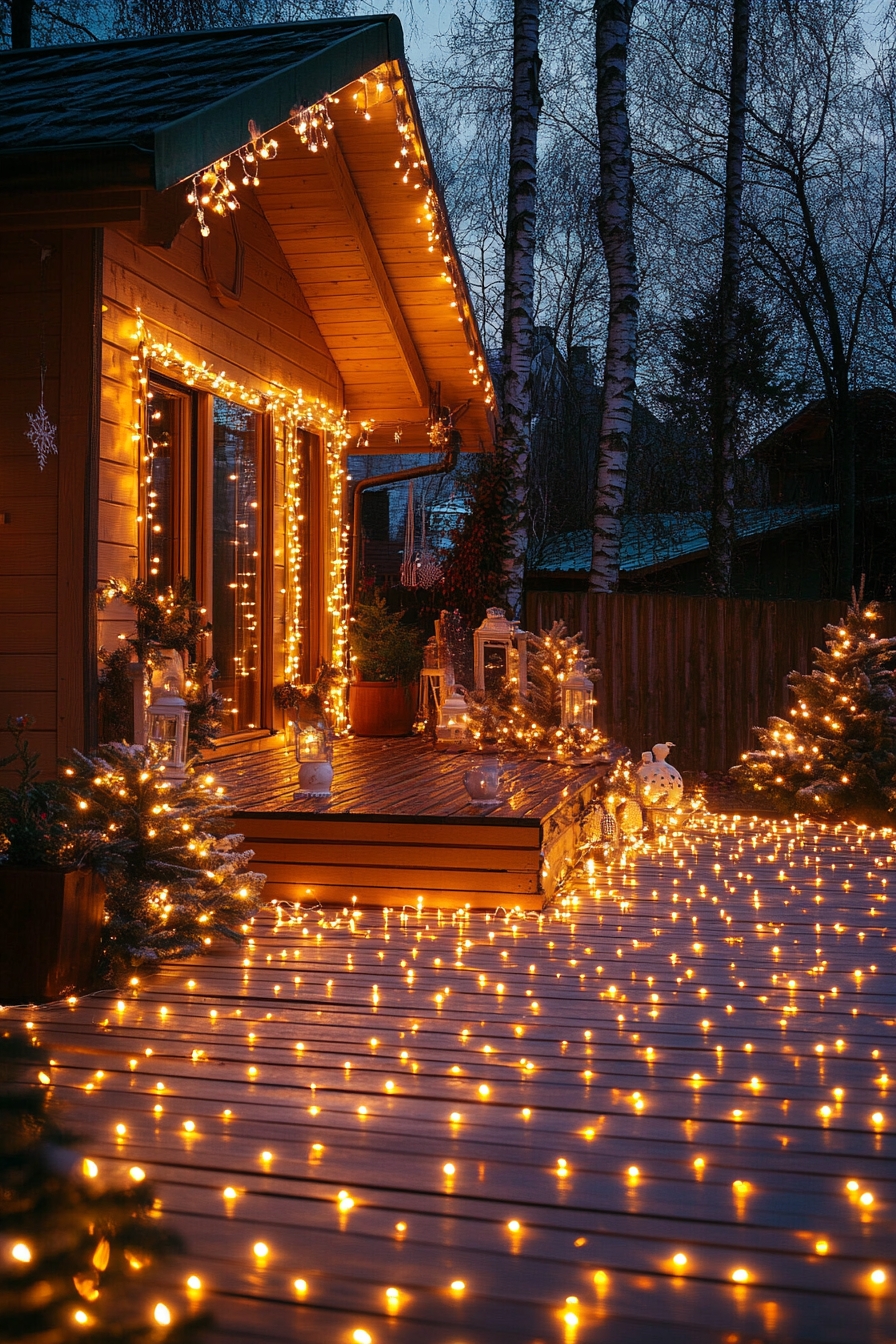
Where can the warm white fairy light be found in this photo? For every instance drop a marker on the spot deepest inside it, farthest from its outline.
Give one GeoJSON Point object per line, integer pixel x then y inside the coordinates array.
{"type": "Point", "coordinates": [213, 190]}
{"type": "Point", "coordinates": [293, 413]}
{"type": "Point", "coordinates": [694, 868]}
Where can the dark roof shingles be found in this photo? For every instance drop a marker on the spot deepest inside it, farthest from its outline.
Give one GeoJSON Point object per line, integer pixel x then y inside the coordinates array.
{"type": "Point", "coordinates": [125, 91]}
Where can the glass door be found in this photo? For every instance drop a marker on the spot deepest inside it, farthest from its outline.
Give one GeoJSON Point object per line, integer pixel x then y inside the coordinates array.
{"type": "Point", "coordinates": [235, 579]}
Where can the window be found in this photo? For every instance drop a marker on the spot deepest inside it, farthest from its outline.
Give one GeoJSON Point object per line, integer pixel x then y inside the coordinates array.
{"type": "Point", "coordinates": [166, 548]}
{"type": "Point", "coordinates": [235, 596]}
{"type": "Point", "coordinates": [200, 496]}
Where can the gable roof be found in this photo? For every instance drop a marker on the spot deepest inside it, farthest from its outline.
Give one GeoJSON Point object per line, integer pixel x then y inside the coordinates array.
{"type": "Point", "coordinates": [98, 134]}
{"type": "Point", "coordinates": [152, 111]}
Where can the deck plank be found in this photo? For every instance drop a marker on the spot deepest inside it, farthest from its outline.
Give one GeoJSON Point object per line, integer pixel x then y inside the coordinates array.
{"type": "Point", "coordinates": [721, 918]}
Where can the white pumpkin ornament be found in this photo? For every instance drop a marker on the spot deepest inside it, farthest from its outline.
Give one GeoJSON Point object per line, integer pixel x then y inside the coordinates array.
{"type": "Point", "coordinates": [660, 785]}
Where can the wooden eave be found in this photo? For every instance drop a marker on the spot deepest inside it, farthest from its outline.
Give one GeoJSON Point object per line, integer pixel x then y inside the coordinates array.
{"type": "Point", "coordinates": [357, 240]}
{"type": "Point", "coordinates": [356, 235]}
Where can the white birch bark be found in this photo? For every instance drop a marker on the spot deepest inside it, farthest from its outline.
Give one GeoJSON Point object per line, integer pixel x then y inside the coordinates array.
{"type": "Point", "coordinates": [724, 446]}
{"type": "Point", "coordinates": [612, 27]}
{"type": "Point", "coordinates": [519, 285]}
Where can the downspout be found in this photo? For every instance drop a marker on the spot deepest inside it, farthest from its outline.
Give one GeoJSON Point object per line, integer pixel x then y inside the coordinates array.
{"type": "Point", "coordinates": [444, 464]}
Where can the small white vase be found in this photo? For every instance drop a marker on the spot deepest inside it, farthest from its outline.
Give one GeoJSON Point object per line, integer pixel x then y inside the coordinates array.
{"type": "Point", "coordinates": [315, 779]}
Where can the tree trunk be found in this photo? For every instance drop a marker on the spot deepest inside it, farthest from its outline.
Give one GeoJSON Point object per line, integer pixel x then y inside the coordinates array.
{"type": "Point", "coordinates": [519, 285]}
{"type": "Point", "coordinates": [21, 12]}
{"type": "Point", "coordinates": [613, 23]}
{"type": "Point", "coordinates": [724, 446]}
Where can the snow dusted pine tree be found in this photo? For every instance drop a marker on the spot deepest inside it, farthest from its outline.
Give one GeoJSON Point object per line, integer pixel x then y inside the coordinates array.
{"type": "Point", "coordinates": [837, 754]}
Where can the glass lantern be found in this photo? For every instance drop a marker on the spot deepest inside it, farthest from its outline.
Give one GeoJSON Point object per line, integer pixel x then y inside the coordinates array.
{"type": "Point", "coordinates": [499, 651]}
{"type": "Point", "coordinates": [577, 699]}
{"type": "Point", "coordinates": [314, 754]}
{"type": "Point", "coordinates": [452, 728]}
{"type": "Point", "coordinates": [167, 729]}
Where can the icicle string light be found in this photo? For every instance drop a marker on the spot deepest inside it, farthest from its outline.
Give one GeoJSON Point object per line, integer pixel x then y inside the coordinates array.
{"type": "Point", "coordinates": [213, 189]}
{"type": "Point", "coordinates": [293, 413]}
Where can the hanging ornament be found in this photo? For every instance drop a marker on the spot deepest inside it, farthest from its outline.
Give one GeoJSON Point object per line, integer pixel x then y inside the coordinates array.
{"type": "Point", "coordinates": [41, 430]}
{"type": "Point", "coordinates": [429, 571]}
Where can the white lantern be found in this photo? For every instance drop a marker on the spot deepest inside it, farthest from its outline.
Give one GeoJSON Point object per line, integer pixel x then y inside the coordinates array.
{"type": "Point", "coordinates": [452, 728]}
{"type": "Point", "coordinates": [168, 716]}
{"type": "Point", "coordinates": [314, 754]}
{"type": "Point", "coordinates": [500, 645]}
{"type": "Point", "coordinates": [167, 729]}
{"type": "Point", "coordinates": [577, 699]}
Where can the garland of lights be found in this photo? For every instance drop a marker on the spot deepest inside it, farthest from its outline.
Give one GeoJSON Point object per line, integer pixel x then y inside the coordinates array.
{"type": "Point", "coordinates": [213, 189]}
{"type": "Point", "coordinates": [294, 414]}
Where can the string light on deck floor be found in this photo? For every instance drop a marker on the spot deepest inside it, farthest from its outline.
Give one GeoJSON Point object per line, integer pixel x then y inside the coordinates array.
{"type": "Point", "coordinates": [595, 1113]}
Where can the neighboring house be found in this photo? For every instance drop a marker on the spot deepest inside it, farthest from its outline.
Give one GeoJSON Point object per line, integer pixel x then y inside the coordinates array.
{"type": "Point", "coordinates": [667, 552]}
{"type": "Point", "coordinates": [798, 456]}
{"type": "Point", "coordinates": [202, 372]}
{"type": "Point", "coordinates": [784, 548]}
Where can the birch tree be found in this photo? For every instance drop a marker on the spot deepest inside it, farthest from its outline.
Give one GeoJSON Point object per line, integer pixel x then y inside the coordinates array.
{"type": "Point", "coordinates": [519, 283]}
{"type": "Point", "coordinates": [616, 225]}
{"type": "Point", "coordinates": [724, 439]}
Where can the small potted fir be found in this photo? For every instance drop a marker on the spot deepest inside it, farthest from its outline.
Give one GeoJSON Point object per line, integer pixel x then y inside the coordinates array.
{"type": "Point", "coordinates": [51, 894]}
{"type": "Point", "coordinates": [387, 655]}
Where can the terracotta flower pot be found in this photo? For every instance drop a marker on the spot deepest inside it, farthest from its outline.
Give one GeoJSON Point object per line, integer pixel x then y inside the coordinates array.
{"type": "Point", "coordinates": [50, 923]}
{"type": "Point", "coordinates": [382, 708]}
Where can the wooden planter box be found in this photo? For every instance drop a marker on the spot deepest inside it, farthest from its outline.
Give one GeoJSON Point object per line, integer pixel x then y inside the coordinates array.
{"type": "Point", "coordinates": [50, 925]}
{"type": "Point", "coordinates": [382, 708]}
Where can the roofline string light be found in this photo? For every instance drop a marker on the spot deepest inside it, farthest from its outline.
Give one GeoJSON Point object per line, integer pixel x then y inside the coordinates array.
{"type": "Point", "coordinates": [293, 414]}
{"type": "Point", "coordinates": [213, 189]}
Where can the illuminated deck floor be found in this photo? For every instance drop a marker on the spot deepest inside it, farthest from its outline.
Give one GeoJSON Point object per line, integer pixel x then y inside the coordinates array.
{"type": "Point", "coordinates": [681, 1019]}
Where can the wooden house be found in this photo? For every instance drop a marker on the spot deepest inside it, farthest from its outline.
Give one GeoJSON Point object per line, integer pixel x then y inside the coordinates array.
{"type": "Point", "coordinates": [226, 260]}
{"type": "Point", "coordinates": [201, 366]}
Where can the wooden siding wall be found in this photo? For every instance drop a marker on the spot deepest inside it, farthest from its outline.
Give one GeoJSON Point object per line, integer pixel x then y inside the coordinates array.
{"type": "Point", "coordinates": [45, 546]}
{"type": "Point", "coordinates": [268, 336]}
{"type": "Point", "coordinates": [696, 671]}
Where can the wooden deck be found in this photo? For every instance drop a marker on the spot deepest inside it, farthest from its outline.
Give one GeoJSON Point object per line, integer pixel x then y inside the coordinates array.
{"type": "Point", "coordinates": [697, 1015]}
{"type": "Point", "coordinates": [399, 829]}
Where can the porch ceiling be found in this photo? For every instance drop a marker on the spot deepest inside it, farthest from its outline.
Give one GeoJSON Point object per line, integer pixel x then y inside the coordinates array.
{"type": "Point", "coordinates": [357, 239]}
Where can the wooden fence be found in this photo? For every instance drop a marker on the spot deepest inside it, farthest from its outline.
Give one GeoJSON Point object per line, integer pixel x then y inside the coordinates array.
{"type": "Point", "coordinates": [696, 671]}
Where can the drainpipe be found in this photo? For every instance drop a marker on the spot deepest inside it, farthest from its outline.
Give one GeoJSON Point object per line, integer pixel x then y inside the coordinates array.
{"type": "Point", "coordinates": [446, 463]}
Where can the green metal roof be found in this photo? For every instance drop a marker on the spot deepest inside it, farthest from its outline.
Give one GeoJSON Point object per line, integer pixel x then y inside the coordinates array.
{"type": "Point", "coordinates": [153, 111]}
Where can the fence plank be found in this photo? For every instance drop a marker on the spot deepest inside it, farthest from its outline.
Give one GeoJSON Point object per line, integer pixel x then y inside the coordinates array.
{"type": "Point", "coordinates": [696, 671]}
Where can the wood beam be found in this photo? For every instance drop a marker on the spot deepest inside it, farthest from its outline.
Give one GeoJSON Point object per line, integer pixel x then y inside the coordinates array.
{"type": "Point", "coordinates": [342, 181]}
{"type": "Point", "coordinates": [67, 209]}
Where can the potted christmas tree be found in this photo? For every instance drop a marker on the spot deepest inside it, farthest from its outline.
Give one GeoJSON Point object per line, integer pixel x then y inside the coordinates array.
{"type": "Point", "coordinates": [387, 655]}
{"type": "Point", "coordinates": [51, 894]}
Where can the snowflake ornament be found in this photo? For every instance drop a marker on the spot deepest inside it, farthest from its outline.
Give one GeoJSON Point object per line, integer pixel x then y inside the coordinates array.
{"type": "Point", "coordinates": [41, 434]}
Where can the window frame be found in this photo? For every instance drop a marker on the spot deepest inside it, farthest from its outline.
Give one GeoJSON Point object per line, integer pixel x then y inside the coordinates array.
{"type": "Point", "coordinates": [193, 528]}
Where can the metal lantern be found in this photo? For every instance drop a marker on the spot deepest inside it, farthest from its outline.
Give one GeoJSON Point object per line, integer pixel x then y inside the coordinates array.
{"type": "Point", "coordinates": [577, 708]}
{"type": "Point", "coordinates": [500, 645]}
{"type": "Point", "coordinates": [167, 729]}
{"type": "Point", "coordinates": [314, 753]}
{"type": "Point", "coordinates": [452, 727]}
